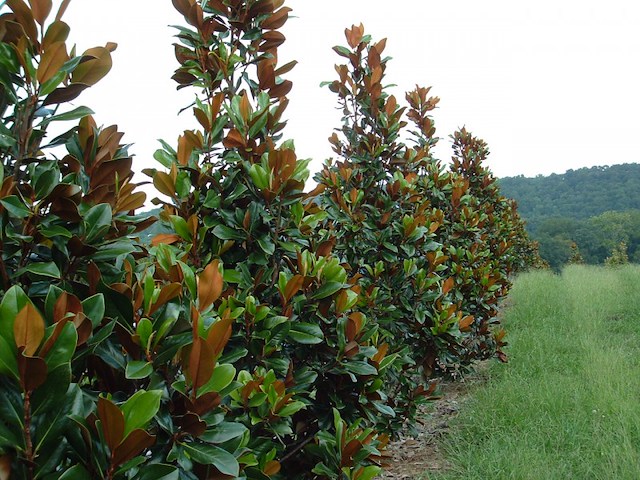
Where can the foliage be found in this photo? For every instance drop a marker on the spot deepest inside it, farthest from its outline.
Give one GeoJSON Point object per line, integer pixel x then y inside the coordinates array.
{"type": "Point", "coordinates": [577, 194]}
{"type": "Point", "coordinates": [264, 332]}
{"type": "Point", "coordinates": [595, 237]}
{"type": "Point", "coordinates": [618, 256]}
{"type": "Point", "coordinates": [308, 362]}
{"type": "Point", "coordinates": [381, 225]}
{"type": "Point", "coordinates": [66, 246]}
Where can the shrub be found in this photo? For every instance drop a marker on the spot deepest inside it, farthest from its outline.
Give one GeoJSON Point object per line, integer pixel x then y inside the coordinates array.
{"type": "Point", "coordinates": [265, 332]}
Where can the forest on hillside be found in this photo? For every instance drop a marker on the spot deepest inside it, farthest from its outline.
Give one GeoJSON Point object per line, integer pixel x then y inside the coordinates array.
{"type": "Point", "coordinates": [576, 194]}
{"type": "Point", "coordinates": [583, 214]}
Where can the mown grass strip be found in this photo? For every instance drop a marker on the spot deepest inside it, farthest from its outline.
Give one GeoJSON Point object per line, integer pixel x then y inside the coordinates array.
{"type": "Point", "coordinates": [567, 405]}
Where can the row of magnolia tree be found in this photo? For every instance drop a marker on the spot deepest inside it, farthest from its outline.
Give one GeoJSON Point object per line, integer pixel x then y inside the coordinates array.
{"type": "Point", "coordinates": [271, 333]}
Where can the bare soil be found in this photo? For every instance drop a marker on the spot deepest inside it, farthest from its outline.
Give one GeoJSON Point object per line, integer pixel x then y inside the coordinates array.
{"type": "Point", "coordinates": [414, 457]}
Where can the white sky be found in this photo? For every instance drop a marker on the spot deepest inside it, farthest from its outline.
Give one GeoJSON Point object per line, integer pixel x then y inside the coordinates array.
{"type": "Point", "coordinates": [550, 85]}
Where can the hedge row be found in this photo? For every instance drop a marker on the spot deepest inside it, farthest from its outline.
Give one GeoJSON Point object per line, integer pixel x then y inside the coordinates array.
{"type": "Point", "coordinates": [270, 332]}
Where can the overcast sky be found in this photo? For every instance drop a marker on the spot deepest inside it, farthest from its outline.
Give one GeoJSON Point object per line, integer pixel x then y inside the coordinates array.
{"type": "Point", "coordinates": [550, 85]}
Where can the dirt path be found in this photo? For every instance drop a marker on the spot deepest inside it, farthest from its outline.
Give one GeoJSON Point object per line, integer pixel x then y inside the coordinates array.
{"type": "Point", "coordinates": [413, 457]}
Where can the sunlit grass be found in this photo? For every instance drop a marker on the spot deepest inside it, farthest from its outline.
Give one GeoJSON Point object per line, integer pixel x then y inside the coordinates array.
{"type": "Point", "coordinates": [567, 405]}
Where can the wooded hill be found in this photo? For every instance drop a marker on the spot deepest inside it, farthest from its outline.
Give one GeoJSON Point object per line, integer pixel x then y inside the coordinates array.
{"type": "Point", "coordinates": [589, 211]}
{"type": "Point", "coordinates": [577, 194]}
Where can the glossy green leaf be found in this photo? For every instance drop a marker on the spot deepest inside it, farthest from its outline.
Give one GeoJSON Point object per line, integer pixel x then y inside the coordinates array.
{"type": "Point", "coordinates": [212, 455]}
{"type": "Point", "coordinates": [225, 233]}
{"type": "Point", "coordinates": [158, 471]}
{"type": "Point", "coordinates": [77, 472]}
{"type": "Point", "coordinates": [137, 369]}
{"type": "Point", "coordinates": [224, 432]}
{"type": "Point", "coordinates": [8, 363]}
{"type": "Point", "coordinates": [74, 114]}
{"type": "Point", "coordinates": [222, 376]}
{"type": "Point", "coordinates": [306, 333]}
{"type": "Point", "coordinates": [15, 206]}
{"type": "Point", "coordinates": [45, 269]}
{"type": "Point", "coordinates": [140, 408]}
{"type": "Point", "coordinates": [13, 301]}
{"type": "Point", "coordinates": [97, 222]}
{"type": "Point", "coordinates": [327, 289]}
{"type": "Point", "coordinates": [64, 347]}
{"type": "Point", "coordinates": [93, 307]}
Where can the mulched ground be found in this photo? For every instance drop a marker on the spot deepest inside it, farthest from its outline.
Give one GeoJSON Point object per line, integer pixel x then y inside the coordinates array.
{"type": "Point", "coordinates": [413, 457]}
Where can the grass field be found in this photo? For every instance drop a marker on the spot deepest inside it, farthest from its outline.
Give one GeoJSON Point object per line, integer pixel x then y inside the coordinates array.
{"type": "Point", "coordinates": [567, 405]}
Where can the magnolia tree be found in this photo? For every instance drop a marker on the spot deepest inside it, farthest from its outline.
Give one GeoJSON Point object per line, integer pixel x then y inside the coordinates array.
{"type": "Point", "coordinates": [268, 332]}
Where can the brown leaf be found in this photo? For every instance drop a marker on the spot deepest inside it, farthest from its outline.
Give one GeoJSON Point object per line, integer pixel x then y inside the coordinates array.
{"type": "Point", "coordinates": [465, 323]}
{"type": "Point", "coordinates": [271, 468]}
{"type": "Point", "coordinates": [66, 303]}
{"type": "Point", "coordinates": [5, 467]}
{"type": "Point", "coordinates": [192, 424]}
{"type": "Point", "coordinates": [163, 182]}
{"type": "Point", "coordinates": [234, 140]}
{"type": "Point", "coordinates": [167, 238]}
{"type": "Point", "coordinates": [201, 363]}
{"type": "Point", "coordinates": [281, 89]}
{"type": "Point", "coordinates": [95, 65]}
{"type": "Point", "coordinates": [354, 325]}
{"type": "Point", "coordinates": [135, 443]}
{"type": "Point", "coordinates": [209, 285]}
{"type": "Point", "coordinates": [292, 287]}
{"type": "Point", "coordinates": [168, 292]}
{"type": "Point", "coordinates": [62, 9]}
{"type": "Point", "coordinates": [277, 19]}
{"type": "Point", "coordinates": [65, 94]}
{"type": "Point", "coordinates": [41, 10]}
{"type": "Point", "coordinates": [447, 285]}
{"type": "Point", "coordinates": [28, 329]}
{"type": "Point", "coordinates": [33, 372]}
{"type": "Point", "coordinates": [219, 334]}
{"type": "Point", "coordinates": [185, 148]}
{"type": "Point", "coordinates": [24, 17]}
{"type": "Point", "coordinates": [112, 420]}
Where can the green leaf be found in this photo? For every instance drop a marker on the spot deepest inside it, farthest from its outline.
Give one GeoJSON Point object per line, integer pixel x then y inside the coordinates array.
{"type": "Point", "coordinates": [12, 302]}
{"type": "Point", "coordinates": [137, 369]}
{"type": "Point", "coordinates": [108, 253]}
{"type": "Point", "coordinates": [15, 206]}
{"type": "Point", "coordinates": [144, 331]}
{"type": "Point", "coordinates": [222, 376]}
{"type": "Point", "coordinates": [158, 471]}
{"type": "Point", "coordinates": [140, 409]}
{"type": "Point", "coordinates": [93, 307]}
{"type": "Point", "coordinates": [7, 438]}
{"type": "Point", "coordinates": [8, 362]}
{"type": "Point", "coordinates": [291, 408]}
{"type": "Point", "coordinates": [64, 347]}
{"type": "Point", "coordinates": [225, 233]}
{"type": "Point", "coordinates": [55, 231]}
{"type": "Point", "coordinates": [211, 455]}
{"type": "Point", "coordinates": [77, 472]}
{"type": "Point", "coordinates": [97, 222]}
{"type": "Point", "coordinates": [306, 333]}
{"type": "Point", "coordinates": [47, 269]}
{"type": "Point", "coordinates": [52, 393]}
{"type": "Point", "coordinates": [224, 432]}
{"type": "Point", "coordinates": [181, 227]}
{"type": "Point", "coordinates": [360, 368]}
{"type": "Point", "coordinates": [327, 289]}
{"type": "Point", "coordinates": [74, 114]}
{"type": "Point", "coordinates": [266, 245]}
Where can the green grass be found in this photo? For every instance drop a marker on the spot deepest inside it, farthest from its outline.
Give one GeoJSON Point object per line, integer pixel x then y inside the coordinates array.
{"type": "Point", "coordinates": [567, 405]}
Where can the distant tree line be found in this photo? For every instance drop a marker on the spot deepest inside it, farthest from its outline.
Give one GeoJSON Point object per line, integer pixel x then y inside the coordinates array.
{"type": "Point", "coordinates": [576, 194]}
{"type": "Point", "coordinates": [586, 213]}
